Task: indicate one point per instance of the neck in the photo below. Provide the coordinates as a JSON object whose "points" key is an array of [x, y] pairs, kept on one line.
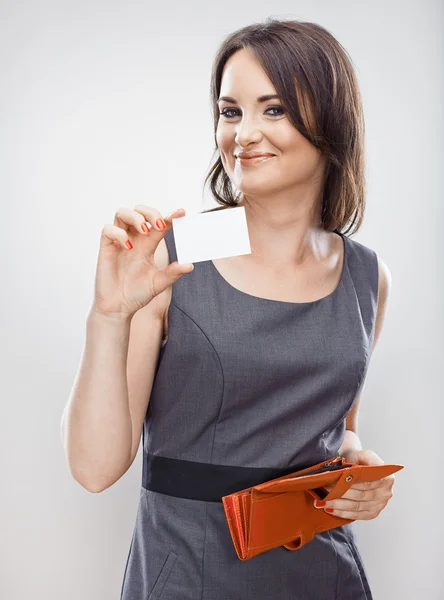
{"points": [[285, 232]]}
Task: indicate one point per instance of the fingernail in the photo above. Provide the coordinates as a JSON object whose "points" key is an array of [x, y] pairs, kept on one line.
{"points": [[160, 224], [330, 510], [320, 503], [145, 227]]}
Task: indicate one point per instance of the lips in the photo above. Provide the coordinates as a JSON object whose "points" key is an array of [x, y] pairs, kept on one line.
{"points": [[254, 160], [251, 155]]}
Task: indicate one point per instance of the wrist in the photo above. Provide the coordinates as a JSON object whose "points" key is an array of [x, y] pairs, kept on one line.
{"points": [[349, 455], [96, 314], [351, 446]]}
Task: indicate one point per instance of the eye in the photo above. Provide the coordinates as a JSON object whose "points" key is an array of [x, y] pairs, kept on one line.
{"points": [[230, 110], [226, 111], [276, 108]]}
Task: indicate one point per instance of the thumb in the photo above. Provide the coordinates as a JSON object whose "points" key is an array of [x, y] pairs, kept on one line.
{"points": [[368, 457], [166, 277]]}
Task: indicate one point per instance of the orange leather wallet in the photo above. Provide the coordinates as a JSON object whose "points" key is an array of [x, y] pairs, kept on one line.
{"points": [[280, 512]]}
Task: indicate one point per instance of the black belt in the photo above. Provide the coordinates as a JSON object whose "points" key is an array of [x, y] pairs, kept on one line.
{"points": [[203, 481]]}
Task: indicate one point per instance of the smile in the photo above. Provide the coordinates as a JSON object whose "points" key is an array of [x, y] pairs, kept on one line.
{"points": [[252, 161]]}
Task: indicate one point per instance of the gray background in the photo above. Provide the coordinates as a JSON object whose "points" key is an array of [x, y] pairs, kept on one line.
{"points": [[104, 104]]}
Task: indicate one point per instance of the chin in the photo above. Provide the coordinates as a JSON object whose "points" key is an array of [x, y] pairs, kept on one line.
{"points": [[256, 190]]}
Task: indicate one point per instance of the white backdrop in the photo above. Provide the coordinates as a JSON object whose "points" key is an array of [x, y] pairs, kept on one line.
{"points": [[104, 104]]}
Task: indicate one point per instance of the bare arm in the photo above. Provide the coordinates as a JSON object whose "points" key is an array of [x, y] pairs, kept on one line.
{"points": [[351, 442], [103, 419], [96, 424], [102, 422]]}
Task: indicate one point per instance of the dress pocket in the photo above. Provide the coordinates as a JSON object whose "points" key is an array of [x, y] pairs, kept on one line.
{"points": [[162, 578]]}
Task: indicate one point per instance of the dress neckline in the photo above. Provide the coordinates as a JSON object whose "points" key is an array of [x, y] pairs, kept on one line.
{"points": [[329, 296]]}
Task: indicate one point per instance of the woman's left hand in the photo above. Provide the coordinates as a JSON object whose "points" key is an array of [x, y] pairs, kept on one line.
{"points": [[363, 500]]}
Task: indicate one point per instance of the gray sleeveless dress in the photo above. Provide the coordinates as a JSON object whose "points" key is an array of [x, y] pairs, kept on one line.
{"points": [[248, 388]]}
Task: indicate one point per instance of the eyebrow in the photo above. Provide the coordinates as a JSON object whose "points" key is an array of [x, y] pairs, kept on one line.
{"points": [[260, 99]]}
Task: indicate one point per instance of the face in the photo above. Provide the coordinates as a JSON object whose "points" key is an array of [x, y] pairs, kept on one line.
{"points": [[250, 125]]}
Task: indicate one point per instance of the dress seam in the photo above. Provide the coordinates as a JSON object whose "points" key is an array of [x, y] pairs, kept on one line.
{"points": [[214, 436], [203, 554], [364, 581], [221, 370], [358, 388], [332, 542]]}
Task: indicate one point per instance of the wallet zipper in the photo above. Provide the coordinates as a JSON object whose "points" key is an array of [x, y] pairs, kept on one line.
{"points": [[335, 463], [332, 465]]}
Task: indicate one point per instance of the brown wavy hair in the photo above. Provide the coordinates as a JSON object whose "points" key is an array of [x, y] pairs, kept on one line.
{"points": [[327, 89]]}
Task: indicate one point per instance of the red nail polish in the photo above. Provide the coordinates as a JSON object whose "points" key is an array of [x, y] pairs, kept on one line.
{"points": [[330, 510], [320, 503]]}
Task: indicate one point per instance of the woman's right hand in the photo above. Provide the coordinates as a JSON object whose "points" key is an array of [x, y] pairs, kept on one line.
{"points": [[128, 279]]}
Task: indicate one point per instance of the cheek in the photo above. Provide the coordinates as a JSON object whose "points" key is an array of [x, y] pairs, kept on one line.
{"points": [[298, 152], [224, 144], [290, 142], [222, 138]]}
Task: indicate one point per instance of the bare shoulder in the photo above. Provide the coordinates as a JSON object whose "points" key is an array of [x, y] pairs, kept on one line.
{"points": [[385, 282], [384, 290]]}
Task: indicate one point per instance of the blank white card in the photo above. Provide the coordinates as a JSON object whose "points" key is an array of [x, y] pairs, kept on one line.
{"points": [[205, 236]]}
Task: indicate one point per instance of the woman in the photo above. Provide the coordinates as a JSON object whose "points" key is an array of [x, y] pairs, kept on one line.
{"points": [[266, 353]]}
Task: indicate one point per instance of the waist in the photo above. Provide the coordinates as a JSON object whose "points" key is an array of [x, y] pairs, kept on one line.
{"points": [[203, 481]]}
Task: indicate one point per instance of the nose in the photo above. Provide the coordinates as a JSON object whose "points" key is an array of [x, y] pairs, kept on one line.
{"points": [[247, 133]]}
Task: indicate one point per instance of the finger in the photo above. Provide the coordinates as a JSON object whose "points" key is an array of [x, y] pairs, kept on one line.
{"points": [[176, 213], [351, 497], [352, 505], [154, 217], [125, 218], [166, 277], [361, 486], [111, 234], [356, 494], [365, 493], [364, 515], [367, 485], [141, 218]]}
